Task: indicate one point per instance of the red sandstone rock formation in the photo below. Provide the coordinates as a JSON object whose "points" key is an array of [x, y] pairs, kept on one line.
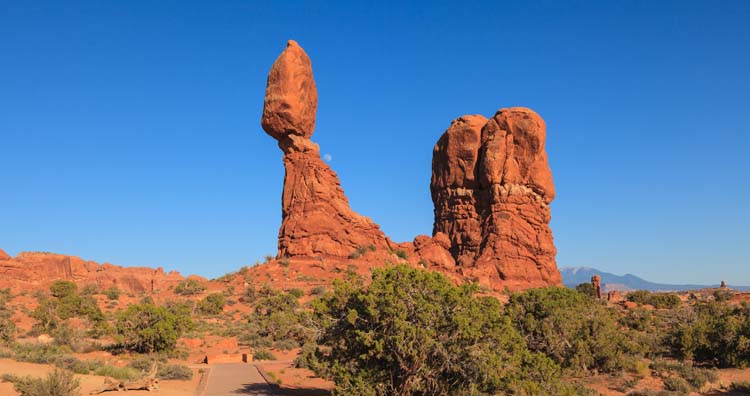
{"points": [[614, 296], [596, 281], [35, 271], [492, 186], [316, 218]]}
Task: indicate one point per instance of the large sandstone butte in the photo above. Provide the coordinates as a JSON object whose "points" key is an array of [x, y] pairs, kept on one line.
{"points": [[316, 218], [491, 186]]}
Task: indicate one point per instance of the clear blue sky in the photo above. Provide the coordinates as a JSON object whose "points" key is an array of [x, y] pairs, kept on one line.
{"points": [[130, 133]]}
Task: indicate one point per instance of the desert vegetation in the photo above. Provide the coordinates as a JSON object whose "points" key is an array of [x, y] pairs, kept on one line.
{"points": [[412, 332], [57, 383], [400, 331]]}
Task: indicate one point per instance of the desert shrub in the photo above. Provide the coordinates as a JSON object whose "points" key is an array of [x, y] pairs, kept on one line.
{"points": [[318, 291], [722, 295], [587, 289], [285, 345], [400, 254], [39, 353], [575, 331], [307, 357], [113, 293], [740, 386], [694, 377], [65, 335], [677, 384], [90, 290], [628, 384], [189, 287], [296, 293], [71, 363], [149, 328], [284, 262], [249, 295], [46, 316], [358, 253], [56, 383], [263, 354], [7, 326], [66, 303], [62, 288], [120, 373], [174, 372], [717, 335], [648, 392], [144, 363], [654, 329], [411, 332], [212, 304], [277, 319], [657, 300], [7, 330]]}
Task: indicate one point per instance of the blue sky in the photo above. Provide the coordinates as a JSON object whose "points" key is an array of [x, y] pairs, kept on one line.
{"points": [[130, 131]]}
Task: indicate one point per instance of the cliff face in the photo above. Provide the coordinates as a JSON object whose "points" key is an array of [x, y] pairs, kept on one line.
{"points": [[491, 187], [36, 271]]}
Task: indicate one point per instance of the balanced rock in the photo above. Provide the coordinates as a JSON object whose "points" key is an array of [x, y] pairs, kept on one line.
{"points": [[491, 187], [316, 218], [291, 97]]}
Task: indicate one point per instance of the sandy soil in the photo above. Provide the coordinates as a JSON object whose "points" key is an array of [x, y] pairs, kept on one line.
{"points": [[293, 381], [611, 386], [92, 382]]}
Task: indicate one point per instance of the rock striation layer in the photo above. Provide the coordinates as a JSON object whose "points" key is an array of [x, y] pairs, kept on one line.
{"points": [[316, 218], [491, 186]]}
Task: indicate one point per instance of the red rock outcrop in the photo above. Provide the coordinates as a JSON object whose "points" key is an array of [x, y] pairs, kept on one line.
{"points": [[596, 282], [316, 218], [35, 271], [492, 186]]}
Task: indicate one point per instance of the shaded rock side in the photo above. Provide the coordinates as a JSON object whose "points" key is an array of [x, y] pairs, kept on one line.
{"points": [[316, 218], [491, 187]]}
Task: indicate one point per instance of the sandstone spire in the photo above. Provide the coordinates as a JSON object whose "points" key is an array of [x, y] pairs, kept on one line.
{"points": [[316, 218]]}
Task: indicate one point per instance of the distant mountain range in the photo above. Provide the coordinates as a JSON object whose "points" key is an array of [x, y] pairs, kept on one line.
{"points": [[573, 276]]}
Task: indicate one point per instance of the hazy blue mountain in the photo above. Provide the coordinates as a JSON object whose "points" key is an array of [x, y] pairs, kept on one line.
{"points": [[573, 276]]}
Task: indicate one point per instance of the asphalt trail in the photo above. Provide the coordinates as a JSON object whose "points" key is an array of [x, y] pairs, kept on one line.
{"points": [[233, 379]]}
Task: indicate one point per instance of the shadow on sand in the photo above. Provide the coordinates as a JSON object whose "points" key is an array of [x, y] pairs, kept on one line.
{"points": [[263, 389]]}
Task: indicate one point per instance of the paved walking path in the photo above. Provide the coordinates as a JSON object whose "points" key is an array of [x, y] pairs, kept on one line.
{"points": [[233, 379]]}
